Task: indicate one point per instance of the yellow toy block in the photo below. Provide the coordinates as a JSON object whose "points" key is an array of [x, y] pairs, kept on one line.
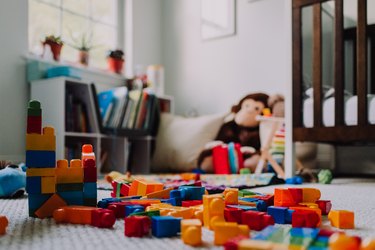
{"points": [[341, 219], [144, 187], [231, 196], [41, 172], [169, 210], [309, 204], [191, 232], [310, 195], [44, 142], [255, 244], [223, 231], [213, 210], [72, 174], [48, 185], [339, 241]]}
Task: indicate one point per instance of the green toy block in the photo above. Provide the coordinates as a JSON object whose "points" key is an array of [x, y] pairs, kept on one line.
{"points": [[34, 108], [148, 213]]}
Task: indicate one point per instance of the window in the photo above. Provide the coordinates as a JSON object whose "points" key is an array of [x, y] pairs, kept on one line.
{"points": [[73, 20]]}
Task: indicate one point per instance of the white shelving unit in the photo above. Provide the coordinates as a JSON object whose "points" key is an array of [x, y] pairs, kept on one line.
{"points": [[113, 152]]}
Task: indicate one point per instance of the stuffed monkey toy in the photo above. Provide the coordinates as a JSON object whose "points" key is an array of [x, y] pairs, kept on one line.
{"points": [[243, 129]]}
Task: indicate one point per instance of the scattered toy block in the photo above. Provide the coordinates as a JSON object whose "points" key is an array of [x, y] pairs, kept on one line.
{"points": [[255, 244], [150, 213], [231, 196], [191, 203], [89, 170], [220, 159], [3, 224], [192, 192], [257, 220], [73, 215], [305, 218], [368, 244], [48, 184], [339, 241], [260, 205], [325, 206], [137, 226], [162, 194], [143, 187], [287, 197], [102, 218], [223, 231], [213, 210], [133, 209], [191, 232], [47, 209], [232, 244], [165, 226], [232, 214], [280, 214], [342, 219], [40, 159], [120, 189], [316, 210], [118, 208], [311, 195]]}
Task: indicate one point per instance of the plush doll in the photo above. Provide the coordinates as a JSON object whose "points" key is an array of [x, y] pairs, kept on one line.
{"points": [[243, 129]]}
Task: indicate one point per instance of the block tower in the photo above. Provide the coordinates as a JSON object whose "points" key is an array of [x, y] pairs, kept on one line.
{"points": [[49, 186]]}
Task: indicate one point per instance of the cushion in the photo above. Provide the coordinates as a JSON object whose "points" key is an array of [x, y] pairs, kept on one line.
{"points": [[180, 140]]}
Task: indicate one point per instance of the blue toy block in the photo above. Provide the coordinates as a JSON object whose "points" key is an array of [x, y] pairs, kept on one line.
{"points": [[278, 214], [89, 190], [40, 159], [104, 203], [243, 207], [296, 180], [261, 205], [266, 233], [36, 201], [288, 216], [173, 201], [165, 226], [304, 232], [233, 160], [191, 192], [133, 209], [317, 248], [72, 197], [34, 185], [175, 194]]}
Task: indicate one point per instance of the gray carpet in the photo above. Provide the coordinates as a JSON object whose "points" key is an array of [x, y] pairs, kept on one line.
{"points": [[29, 233]]}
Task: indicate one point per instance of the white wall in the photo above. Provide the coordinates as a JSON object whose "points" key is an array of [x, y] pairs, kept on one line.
{"points": [[210, 76], [13, 87]]}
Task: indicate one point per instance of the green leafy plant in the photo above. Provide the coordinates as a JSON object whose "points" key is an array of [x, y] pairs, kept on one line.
{"points": [[53, 39], [83, 42]]}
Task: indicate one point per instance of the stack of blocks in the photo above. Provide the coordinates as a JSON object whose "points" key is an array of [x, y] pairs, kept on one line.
{"points": [[50, 187]]}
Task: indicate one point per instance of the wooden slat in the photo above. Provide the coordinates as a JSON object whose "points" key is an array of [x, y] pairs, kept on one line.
{"points": [[317, 64], [372, 56], [297, 68], [339, 63], [302, 3], [362, 62]]}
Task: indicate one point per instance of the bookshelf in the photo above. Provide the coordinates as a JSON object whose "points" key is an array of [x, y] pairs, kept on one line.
{"points": [[70, 107]]}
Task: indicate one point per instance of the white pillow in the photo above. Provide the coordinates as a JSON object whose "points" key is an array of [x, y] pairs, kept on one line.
{"points": [[180, 140]]}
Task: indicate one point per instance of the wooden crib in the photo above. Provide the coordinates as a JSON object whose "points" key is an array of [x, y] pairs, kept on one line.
{"points": [[340, 133]]}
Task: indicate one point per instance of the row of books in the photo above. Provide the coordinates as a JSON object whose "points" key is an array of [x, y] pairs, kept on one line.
{"points": [[120, 108], [76, 119]]}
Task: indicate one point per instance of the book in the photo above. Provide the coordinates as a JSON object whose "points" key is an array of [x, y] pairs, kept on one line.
{"points": [[142, 110], [135, 95], [150, 111], [128, 109]]}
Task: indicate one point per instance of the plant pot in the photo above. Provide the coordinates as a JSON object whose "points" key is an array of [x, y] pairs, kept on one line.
{"points": [[115, 65], [84, 57], [55, 48]]}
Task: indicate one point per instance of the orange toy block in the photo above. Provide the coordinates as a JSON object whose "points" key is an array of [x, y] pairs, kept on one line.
{"points": [[368, 244], [341, 219], [231, 196], [223, 231], [287, 197], [72, 174], [74, 215], [43, 142], [48, 184], [309, 204], [310, 195], [213, 210], [47, 209], [339, 241], [41, 172], [316, 210], [191, 232], [143, 187], [3, 224], [163, 194], [169, 210]]}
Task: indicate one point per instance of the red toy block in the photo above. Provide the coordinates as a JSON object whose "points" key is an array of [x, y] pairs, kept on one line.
{"points": [[220, 160], [305, 218], [232, 214], [237, 147], [118, 208], [3, 224], [232, 244], [103, 218], [119, 189], [34, 125], [191, 203], [257, 220], [89, 170], [137, 226], [325, 206], [269, 199]]}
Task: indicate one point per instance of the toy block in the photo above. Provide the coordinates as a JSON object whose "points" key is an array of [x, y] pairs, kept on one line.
{"points": [[256, 220], [69, 187], [192, 192], [305, 218], [89, 170], [339, 241], [87, 152], [53, 203], [119, 189], [191, 232], [40, 172], [74, 215], [137, 226], [304, 232], [165, 226], [90, 202], [162, 194], [243, 207], [279, 214], [220, 160], [72, 197], [42, 142], [232, 214], [287, 197], [266, 233], [150, 213], [232, 244], [231, 196], [143, 187], [40, 159], [89, 190], [191, 203], [260, 205], [3, 224], [34, 108], [36, 201], [48, 185], [255, 244], [102, 218], [72, 174], [325, 206], [213, 210], [311, 194], [295, 180], [182, 212], [133, 209], [342, 219], [316, 210], [34, 185], [34, 125], [367, 244], [118, 208], [104, 203], [308, 204], [223, 231]]}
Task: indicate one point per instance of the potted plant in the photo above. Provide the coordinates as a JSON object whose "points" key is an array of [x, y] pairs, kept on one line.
{"points": [[83, 44], [56, 45], [115, 60]]}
